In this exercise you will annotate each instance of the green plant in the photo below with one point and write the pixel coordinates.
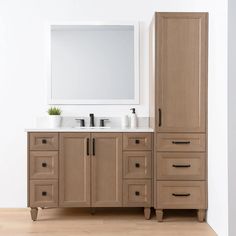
(54, 111)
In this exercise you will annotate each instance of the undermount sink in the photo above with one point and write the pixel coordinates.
(95, 127)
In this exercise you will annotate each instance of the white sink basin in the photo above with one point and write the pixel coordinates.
(95, 127)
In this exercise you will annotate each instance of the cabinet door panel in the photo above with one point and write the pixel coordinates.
(107, 170)
(182, 72)
(74, 175)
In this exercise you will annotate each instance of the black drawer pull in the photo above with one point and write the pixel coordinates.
(159, 111)
(44, 193)
(44, 141)
(87, 144)
(181, 142)
(137, 141)
(44, 164)
(181, 194)
(137, 165)
(137, 193)
(181, 166)
(93, 146)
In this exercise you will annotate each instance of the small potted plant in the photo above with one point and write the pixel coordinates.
(54, 117)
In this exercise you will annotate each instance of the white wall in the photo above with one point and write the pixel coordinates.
(23, 85)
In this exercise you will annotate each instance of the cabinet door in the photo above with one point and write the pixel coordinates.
(181, 71)
(74, 174)
(106, 169)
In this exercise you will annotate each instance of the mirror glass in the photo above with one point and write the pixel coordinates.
(94, 64)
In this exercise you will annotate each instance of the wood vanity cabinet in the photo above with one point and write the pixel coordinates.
(178, 110)
(83, 169)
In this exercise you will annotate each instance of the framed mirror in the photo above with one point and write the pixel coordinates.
(94, 63)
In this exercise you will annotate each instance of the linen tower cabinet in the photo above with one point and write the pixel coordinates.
(178, 110)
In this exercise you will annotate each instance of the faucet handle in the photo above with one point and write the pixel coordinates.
(82, 122)
(102, 122)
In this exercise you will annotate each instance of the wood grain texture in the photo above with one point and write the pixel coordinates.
(106, 222)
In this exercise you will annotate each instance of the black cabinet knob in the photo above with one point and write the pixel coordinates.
(137, 193)
(137, 141)
(44, 193)
(44, 164)
(137, 165)
(44, 141)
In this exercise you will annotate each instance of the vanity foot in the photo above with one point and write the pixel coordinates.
(147, 213)
(201, 215)
(159, 215)
(34, 213)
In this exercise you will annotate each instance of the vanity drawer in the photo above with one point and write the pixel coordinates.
(43, 164)
(137, 165)
(137, 141)
(43, 193)
(181, 142)
(137, 193)
(43, 141)
(181, 194)
(181, 166)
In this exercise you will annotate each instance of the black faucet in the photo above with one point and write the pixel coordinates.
(91, 120)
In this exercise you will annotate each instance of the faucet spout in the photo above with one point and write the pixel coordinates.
(91, 120)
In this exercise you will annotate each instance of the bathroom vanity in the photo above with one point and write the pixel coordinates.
(79, 168)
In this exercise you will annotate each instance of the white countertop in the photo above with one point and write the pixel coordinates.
(89, 129)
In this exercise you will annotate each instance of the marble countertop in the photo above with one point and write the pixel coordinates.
(89, 129)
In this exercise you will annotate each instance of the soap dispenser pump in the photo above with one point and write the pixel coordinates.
(133, 119)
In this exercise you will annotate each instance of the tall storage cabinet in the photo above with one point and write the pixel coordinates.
(178, 110)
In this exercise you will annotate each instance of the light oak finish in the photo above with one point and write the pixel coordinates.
(137, 193)
(137, 164)
(106, 222)
(34, 213)
(106, 167)
(180, 166)
(137, 141)
(147, 213)
(181, 142)
(43, 164)
(181, 194)
(74, 174)
(182, 72)
(43, 193)
(43, 141)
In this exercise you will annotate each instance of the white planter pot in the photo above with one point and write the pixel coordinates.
(54, 121)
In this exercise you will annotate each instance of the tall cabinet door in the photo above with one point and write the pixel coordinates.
(182, 71)
(106, 169)
(74, 172)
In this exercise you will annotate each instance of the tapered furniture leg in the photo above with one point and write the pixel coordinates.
(34, 213)
(201, 215)
(159, 215)
(147, 213)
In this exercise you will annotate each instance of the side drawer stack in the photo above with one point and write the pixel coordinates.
(137, 169)
(181, 171)
(43, 169)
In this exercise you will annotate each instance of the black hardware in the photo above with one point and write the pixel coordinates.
(91, 120)
(44, 141)
(44, 164)
(137, 193)
(87, 146)
(102, 122)
(180, 166)
(181, 194)
(181, 142)
(137, 141)
(137, 165)
(159, 111)
(93, 146)
(82, 122)
(44, 193)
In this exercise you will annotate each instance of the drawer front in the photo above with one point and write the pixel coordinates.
(137, 141)
(137, 193)
(43, 141)
(43, 193)
(181, 194)
(180, 166)
(181, 142)
(137, 164)
(43, 164)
